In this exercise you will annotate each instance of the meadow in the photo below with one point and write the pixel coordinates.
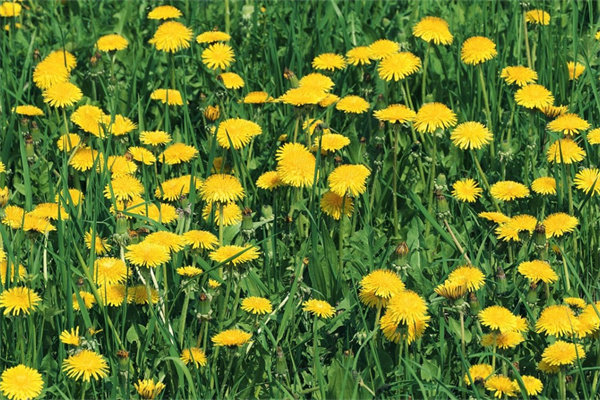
(299, 199)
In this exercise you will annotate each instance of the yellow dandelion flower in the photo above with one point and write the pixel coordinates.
(302, 96)
(466, 190)
(379, 286)
(565, 151)
(568, 124)
(551, 111)
(178, 153)
(562, 353)
(109, 270)
(319, 308)
(112, 295)
(19, 300)
(495, 216)
(123, 188)
(593, 136)
(147, 254)
(557, 320)
(231, 80)
(88, 300)
(539, 17)
(62, 94)
(537, 270)
(329, 61)
(171, 36)
(257, 305)
(317, 82)
(89, 118)
(189, 271)
(575, 302)
(506, 340)
(558, 224)
(360, 55)
(330, 142)
(471, 135)
(434, 116)
(328, 100)
(20, 382)
(383, 48)
(171, 240)
(519, 75)
(396, 332)
(10, 9)
(48, 73)
(257, 98)
(575, 70)
(139, 295)
(352, 104)
(218, 56)
(534, 96)
(232, 213)
(501, 386)
(164, 12)
(398, 66)
(433, 29)
(348, 179)
(396, 114)
(296, 165)
(231, 338)
(234, 254)
(406, 308)
(588, 180)
(237, 132)
(13, 274)
(477, 49)
(68, 142)
(212, 36)
(268, 180)
(498, 318)
(195, 356)
(478, 373)
(221, 188)
(28, 110)
(112, 42)
(70, 337)
(544, 185)
(142, 155)
(147, 389)
(509, 190)
(533, 386)
(84, 365)
(200, 239)
(155, 138)
(171, 97)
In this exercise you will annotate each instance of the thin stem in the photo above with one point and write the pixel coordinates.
(432, 173)
(425, 64)
(184, 309)
(567, 280)
(395, 130)
(484, 179)
(562, 385)
(486, 100)
(527, 50)
(221, 222)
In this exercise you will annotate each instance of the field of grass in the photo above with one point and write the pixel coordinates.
(178, 235)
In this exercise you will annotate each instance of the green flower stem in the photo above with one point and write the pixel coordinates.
(567, 280)
(562, 385)
(527, 50)
(425, 65)
(486, 100)
(484, 179)
(316, 359)
(494, 356)
(432, 172)
(186, 302)
(395, 130)
(221, 221)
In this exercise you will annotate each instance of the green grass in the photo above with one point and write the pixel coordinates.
(304, 253)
